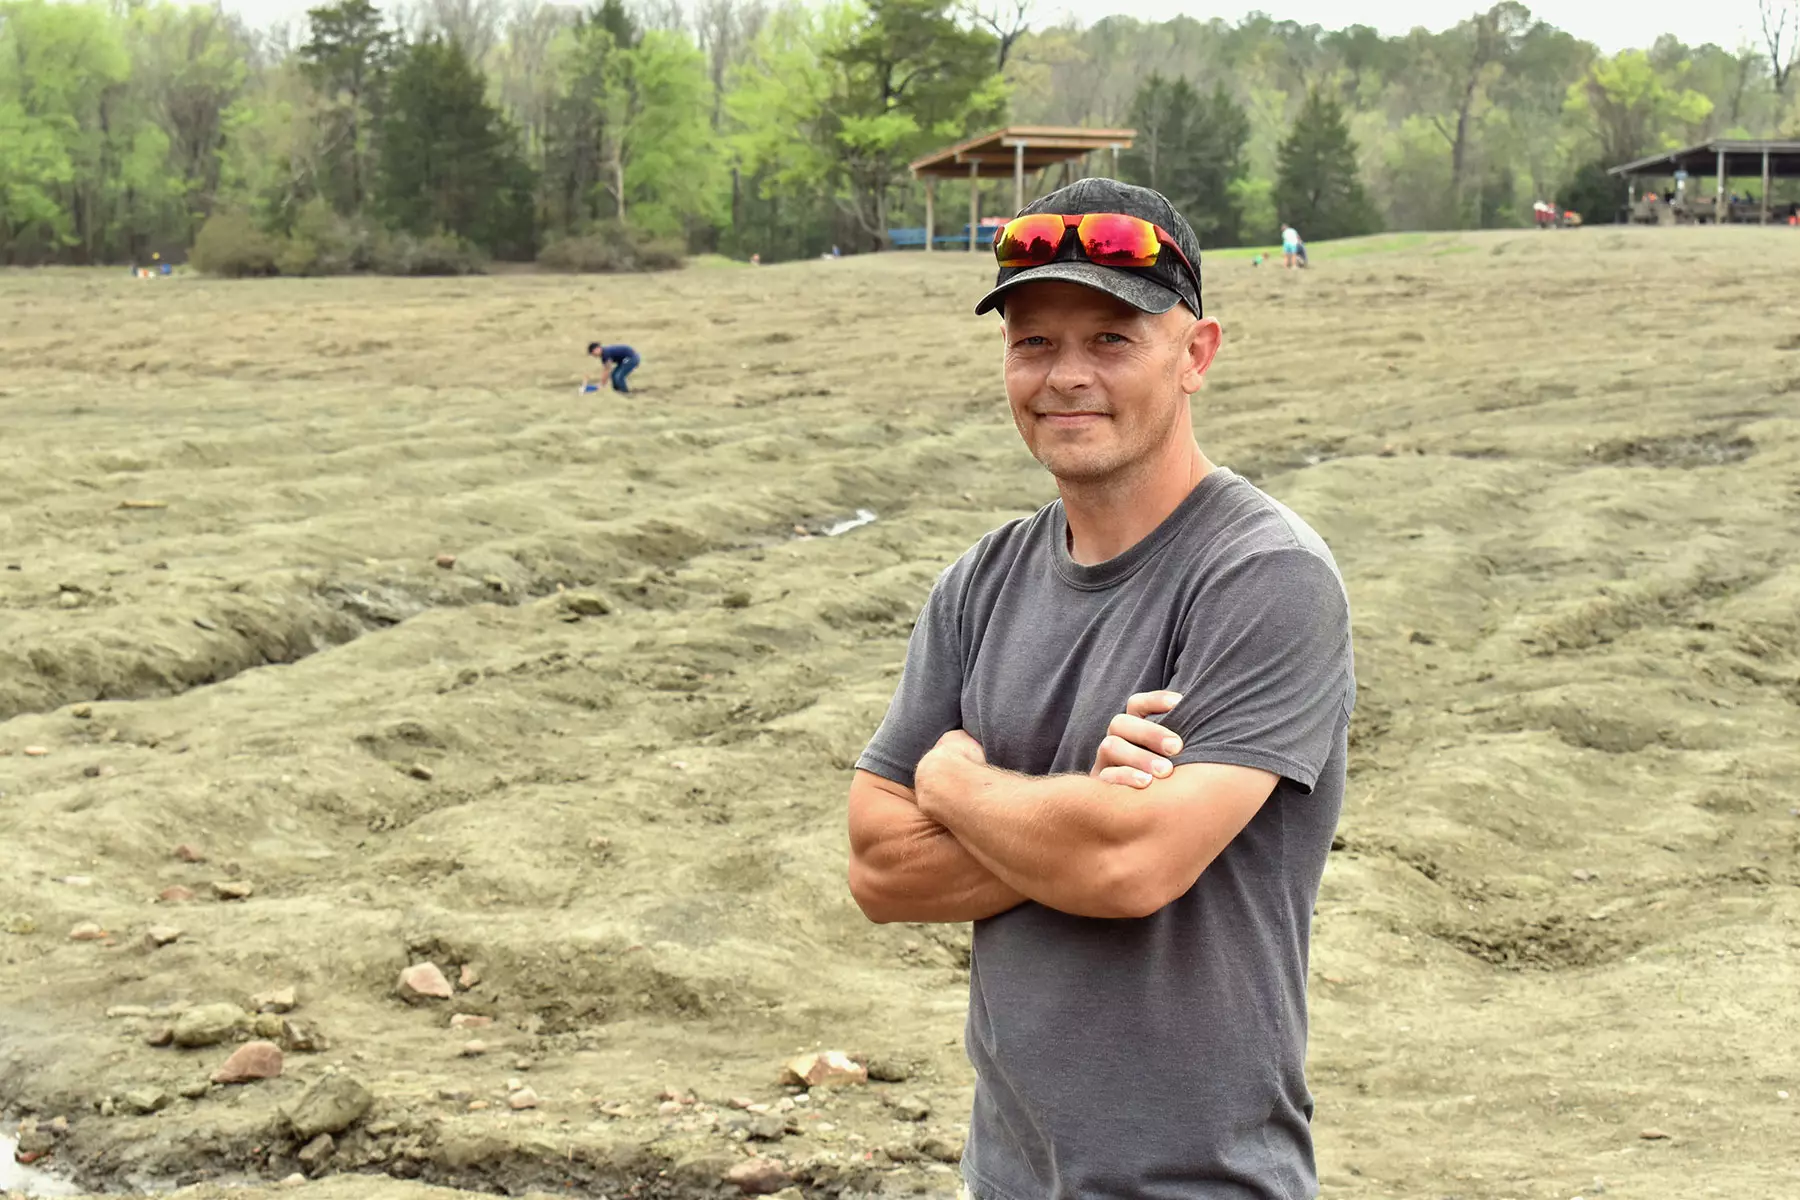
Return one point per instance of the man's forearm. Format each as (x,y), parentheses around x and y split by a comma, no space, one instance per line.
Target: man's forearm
(906,867)
(1058,839)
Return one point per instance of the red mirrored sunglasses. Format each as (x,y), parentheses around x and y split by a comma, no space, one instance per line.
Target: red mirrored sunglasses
(1108,239)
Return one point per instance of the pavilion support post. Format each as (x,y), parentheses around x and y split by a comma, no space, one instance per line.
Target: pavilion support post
(1765,187)
(1115,167)
(1018,176)
(974,202)
(930,212)
(1719,198)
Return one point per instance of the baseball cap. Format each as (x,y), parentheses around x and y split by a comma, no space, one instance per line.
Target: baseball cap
(1154,289)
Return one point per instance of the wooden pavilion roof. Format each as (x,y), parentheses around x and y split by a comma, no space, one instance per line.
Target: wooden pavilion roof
(995,155)
(1743,158)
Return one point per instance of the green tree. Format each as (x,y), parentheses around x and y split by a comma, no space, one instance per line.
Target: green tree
(1632,110)
(1317,188)
(347,55)
(666,171)
(448,159)
(1191,149)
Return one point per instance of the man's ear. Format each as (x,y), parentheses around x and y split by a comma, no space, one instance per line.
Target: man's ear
(1203,341)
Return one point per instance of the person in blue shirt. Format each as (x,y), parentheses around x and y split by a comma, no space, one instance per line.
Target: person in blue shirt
(623,360)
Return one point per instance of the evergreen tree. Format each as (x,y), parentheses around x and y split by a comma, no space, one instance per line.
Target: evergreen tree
(1191,149)
(346,57)
(449,161)
(1317,189)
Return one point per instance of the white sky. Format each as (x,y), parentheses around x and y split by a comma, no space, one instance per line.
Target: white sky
(1611,24)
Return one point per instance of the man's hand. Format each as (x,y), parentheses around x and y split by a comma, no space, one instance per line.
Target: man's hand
(1133,752)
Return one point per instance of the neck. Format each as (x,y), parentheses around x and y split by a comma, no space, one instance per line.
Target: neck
(1108,517)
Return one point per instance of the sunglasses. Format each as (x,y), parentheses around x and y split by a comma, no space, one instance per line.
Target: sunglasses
(1107,239)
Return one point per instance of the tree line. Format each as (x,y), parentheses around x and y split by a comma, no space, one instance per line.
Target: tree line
(780,128)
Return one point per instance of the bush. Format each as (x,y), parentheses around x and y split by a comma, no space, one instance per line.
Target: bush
(229,245)
(613,249)
(324,243)
(439,254)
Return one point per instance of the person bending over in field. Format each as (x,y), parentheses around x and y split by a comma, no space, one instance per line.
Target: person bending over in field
(622,359)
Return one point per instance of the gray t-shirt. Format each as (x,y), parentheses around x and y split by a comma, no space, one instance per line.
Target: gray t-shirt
(1161,1058)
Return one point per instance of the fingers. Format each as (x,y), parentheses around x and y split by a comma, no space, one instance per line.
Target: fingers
(1147,734)
(1150,704)
(1117,752)
(1124,776)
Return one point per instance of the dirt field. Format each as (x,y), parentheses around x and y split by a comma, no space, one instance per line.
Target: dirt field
(601,758)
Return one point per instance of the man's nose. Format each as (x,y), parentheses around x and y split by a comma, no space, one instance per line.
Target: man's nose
(1071,370)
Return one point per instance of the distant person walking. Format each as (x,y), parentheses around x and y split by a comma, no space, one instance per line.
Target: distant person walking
(623,359)
(1293,250)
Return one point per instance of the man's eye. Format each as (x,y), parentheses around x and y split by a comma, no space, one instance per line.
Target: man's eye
(1032,340)
(1113,339)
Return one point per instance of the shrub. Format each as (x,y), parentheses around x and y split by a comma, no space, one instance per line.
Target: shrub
(439,254)
(324,243)
(229,245)
(611,249)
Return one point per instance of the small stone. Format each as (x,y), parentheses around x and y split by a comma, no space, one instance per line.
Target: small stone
(70,600)
(235,889)
(207,1025)
(207,623)
(825,1069)
(127,1010)
(446,561)
(87,931)
(266,1025)
(331,1104)
(908,1108)
(669,1108)
(423,981)
(758,1176)
(163,1035)
(175,894)
(82,712)
(470,1021)
(315,1153)
(474,1049)
(189,854)
(301,1037)
(885,1070)
(521,1064)
(767,1128)
(161,935)
(195,1089)
(279,1000)
(144,1101)
(740,1102)
(586,604)
(295,1180)
(478,1106)
(383,1128)
(469,977)
(250,1062)
(522,1099)
(1654,1135)
(943,1149)
(37,751)
(1583,875)
(785,1104)
(91,771)
(421,771)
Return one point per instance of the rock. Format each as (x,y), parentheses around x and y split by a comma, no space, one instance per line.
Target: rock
(446,561)
(70,600)
(314,1154)
(758,1176)
(887,1070)
(175,895)
(195,1089)
(331,1105)
(827,1068)
(469,977)
(87,931)
(77,880)
(235,889)
(669,1108)
(207,1025)
(586,604)
(1654,1135)
(188,853)
(266,1025)
(163,1035)
(421,982)
(34,1138)
(943,1149)
(161,935)
(421,771)
(474,1049)
(143,1101)
(82,712)
(523,1098)
(1583,875)
(295,1180)
(766,1128)
(908,1108)
(39,751)
(470,1021)
(127,1010)
(302,1037)
(280,1000)
(250,1062)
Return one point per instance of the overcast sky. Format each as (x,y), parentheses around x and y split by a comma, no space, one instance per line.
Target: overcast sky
(1610,24)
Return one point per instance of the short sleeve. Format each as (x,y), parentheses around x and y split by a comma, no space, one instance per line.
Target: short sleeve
(927,704)
(1265,670)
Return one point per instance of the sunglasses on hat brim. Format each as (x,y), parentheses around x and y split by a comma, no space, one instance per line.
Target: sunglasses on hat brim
(1107,240)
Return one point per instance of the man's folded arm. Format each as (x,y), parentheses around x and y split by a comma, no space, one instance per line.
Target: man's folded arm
(906,867)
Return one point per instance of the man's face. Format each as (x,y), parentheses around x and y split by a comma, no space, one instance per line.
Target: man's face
(1097,386)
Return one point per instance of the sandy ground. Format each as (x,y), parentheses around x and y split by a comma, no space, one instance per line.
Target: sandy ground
(1561,472)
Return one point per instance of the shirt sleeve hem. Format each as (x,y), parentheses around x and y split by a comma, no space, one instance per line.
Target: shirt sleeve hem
(1300,773)
(880,764)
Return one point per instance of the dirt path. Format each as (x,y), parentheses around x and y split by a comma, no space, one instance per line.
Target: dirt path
(1565,911)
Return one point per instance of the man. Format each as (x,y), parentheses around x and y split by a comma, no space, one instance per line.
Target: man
(1292,248)
(1118,747)
(624,359)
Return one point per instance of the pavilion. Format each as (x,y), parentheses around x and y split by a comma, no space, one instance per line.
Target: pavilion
(1722,158)
(1009,152)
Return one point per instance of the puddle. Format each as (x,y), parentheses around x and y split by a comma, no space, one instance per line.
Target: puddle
(16,1177)
(863,517)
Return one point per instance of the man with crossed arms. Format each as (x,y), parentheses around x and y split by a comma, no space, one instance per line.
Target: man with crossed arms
(1118,747)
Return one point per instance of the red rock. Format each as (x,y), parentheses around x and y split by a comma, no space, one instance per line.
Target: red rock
(175,894)
(423,981)
(758,1176)
(161,1036)
(250,1061)
(740,1102)
(446,561)
(35,752)
(188,854)
(471,975)
(87,931)
(824,1069)
(522,1099)
(470,1021)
